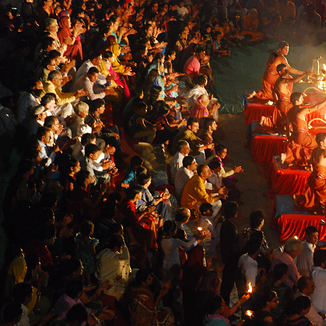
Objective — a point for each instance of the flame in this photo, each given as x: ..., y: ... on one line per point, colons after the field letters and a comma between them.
x: 200, y: 229
x: 249, y: 313
x: 249, y: 287
x: 324, y: 66
x: 295, y: 237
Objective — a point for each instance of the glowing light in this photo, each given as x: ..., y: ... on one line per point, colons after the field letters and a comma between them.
x: 200, y: 229
x: 249, y: 287
x: 296, y: 238
x: 249, y: 313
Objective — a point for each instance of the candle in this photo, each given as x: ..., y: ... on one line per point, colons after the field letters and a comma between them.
x: 249, y: 313
x: 200, y: 229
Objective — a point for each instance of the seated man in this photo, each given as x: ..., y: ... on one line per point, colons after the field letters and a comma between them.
x: 38, y: 117
x: 177, y: 162
x: 43, y: 136
x: 301, y: 143
x: 62, y: 99
x: 197, y: 148
x: 315, y: 191
x: 88, y: 83
x: 185, y: 173
x: 195, y: 194
x: 79, y: 127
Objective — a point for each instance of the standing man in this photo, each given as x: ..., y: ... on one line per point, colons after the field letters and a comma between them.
x: 270, y: 76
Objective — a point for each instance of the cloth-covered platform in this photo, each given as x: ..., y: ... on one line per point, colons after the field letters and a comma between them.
x: 286, y: 181
x: 292, y: 223
x: 265, y: 147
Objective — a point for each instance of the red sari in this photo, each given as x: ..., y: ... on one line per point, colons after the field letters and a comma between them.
x: 75, y: 51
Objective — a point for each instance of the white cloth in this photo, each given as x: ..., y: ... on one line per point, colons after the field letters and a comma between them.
x: 24, y: 320
x: 171, y: 251
x: 194, y: 94
x: 94, y: 91
x: 249, y: 268
x: 215, y: 180
x: 176, y: 163
x: 305, y: 259
x: 318, y: 298
x: 25, y: 102
x: 46, y: 153
x: 115, y: 267
x: 181, y: 178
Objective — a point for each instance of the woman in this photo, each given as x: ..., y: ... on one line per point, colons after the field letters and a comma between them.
x: 52, y: 27
x: 268, y: 301
x: 71, y: 38
x: 143, y: 305
x: 200, y: 108
x: 68, y: 175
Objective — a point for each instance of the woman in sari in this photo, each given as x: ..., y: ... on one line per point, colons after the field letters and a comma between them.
x: 71, y: 38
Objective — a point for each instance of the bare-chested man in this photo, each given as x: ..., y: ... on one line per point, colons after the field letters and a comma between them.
x: 315, y: 192
x: 271, y: 75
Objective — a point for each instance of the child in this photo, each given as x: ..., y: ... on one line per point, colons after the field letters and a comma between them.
x: 208, y: 37
x: 130, y: 174
x: 218, y: 49
x: 85, y: 249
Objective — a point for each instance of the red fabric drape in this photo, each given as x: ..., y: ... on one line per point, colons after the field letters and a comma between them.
x: 254, y: 111
x: 264, y: 148
x: 286, y: 182
x: 290, y: 225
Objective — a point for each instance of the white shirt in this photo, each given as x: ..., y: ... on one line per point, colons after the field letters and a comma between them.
x: 24, y: 320
x: 26, y: 100
x: 176, y: 163
x: 318, y: 298
x: 305, y: 260
x: 249, y: 268
x: 181, y: 178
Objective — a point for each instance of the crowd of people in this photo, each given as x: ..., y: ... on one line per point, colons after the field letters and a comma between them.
x: 90, y: 238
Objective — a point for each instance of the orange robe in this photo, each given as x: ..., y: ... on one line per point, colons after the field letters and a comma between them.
x: 315, y: 192
x: 301, y: 143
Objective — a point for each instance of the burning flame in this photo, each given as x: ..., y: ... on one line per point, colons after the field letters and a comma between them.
x: 200, y: 229
x: 249, y: 287
x: 249, y: 313
x: 295, y: 237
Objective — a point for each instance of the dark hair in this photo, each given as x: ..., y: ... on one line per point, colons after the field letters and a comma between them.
x: 47, y: 232
x: 142, y: 276
x: 283, y: 44
x: 46, y: 42
x: 143, y: 178
x: 76, y: 313
x: 301, y: 303
x: 97, y: 104
x: 191, y: 121
x: 180, y: 215
x: 132, y: 191
x: 311, y: 229
x: 21, y: 291
x: 267, y: 296
x: 47, y: 98
x: 108, y: 54
x: 169, y: 226
x: 73, y: 288
x: 87, y: 138
x: 280, y: 67
x: 41, y: 131
x: 214, y: 303
x: 91, y: 149
x: 94, y: 54
x: 303, y: 283
x: 81, y: 176
x: 320, y: 137
x: 200, y: 168
x: 92, y: 70
x: 24, y: 166
x: 256, y: 218
x: 115, y: 241
x: 49, y: 121
x: 136, y: 160
x: 54, y: 54
x: 219, y: 148
x: 214, y: 163
x: 205, y: 207
x: 86, y: 228
x: 10, y: 312
x: 295, y: 97
x: 208, y: 122
x: 319, y: 257
x: 253, y: 245
x: 187, y: 160
x: 53, y: 74
x: 200, y: 79
x: 279, y: 271
x: 231, y: 209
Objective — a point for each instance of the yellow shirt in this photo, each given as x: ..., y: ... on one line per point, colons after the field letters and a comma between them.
x: 62, y: 98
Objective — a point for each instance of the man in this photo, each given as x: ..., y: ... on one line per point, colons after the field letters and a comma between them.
x: 94, y: 60
x: 43, y: 136
x: 229, y: 248
x: 49, y: 102
x: 29, y: 99
x: 185, y: 173
x: 88, y: 83
x: 318, y: 298
x: 210, y: 126
x: 194, y: 193
x: 55, y: 128
x: 39, y: 114
x: 292, y: 248
x: 306, y: 287
x: 192, y: 65
x: 301, y: 143
x: 78, y: 127
x: 282, y: 91
x: 271, y: 75
x: 314, y: 196
x: 177, y: 162
x: 197, y: 149
x: 305, y: 260
x: 53, y: 85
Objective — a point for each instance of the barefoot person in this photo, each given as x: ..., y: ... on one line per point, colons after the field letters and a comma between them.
x: 301, y: 143
x: 270, y: 76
